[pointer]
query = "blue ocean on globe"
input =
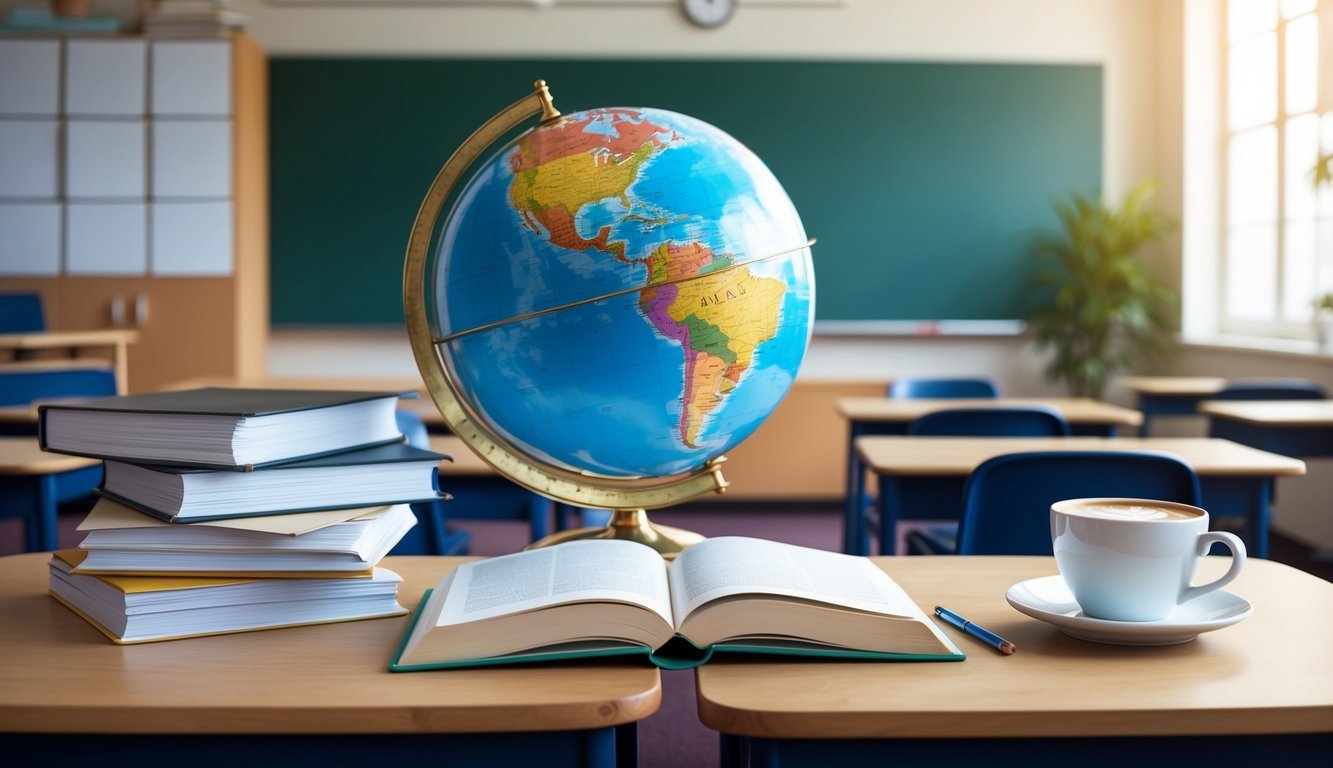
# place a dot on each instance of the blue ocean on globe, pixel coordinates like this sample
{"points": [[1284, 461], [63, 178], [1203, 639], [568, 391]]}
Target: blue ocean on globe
{"points": [[623, 292]]}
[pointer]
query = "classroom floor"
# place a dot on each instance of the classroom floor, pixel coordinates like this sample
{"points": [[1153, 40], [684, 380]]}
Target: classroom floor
{"points": [[674, 736]]}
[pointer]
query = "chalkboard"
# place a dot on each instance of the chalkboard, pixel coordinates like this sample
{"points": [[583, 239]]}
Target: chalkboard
{"points": [[923, 182]]}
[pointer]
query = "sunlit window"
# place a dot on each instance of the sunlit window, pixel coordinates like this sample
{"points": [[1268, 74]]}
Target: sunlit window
{"points": [[1278, 231]]}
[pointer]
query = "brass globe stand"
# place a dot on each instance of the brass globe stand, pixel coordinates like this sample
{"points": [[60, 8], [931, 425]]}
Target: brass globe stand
{"points": [[630, 525], [628, 498]]}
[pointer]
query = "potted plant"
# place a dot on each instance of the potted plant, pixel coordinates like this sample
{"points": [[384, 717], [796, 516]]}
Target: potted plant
{"points": [[1322, 317], [1104, 309]]}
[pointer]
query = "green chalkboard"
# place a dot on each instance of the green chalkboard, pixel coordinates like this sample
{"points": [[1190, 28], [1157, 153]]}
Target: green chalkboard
{"points": [[923, 182]]}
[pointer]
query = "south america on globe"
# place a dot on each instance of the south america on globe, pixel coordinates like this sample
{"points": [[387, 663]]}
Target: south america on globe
{"points": [[623, 292]]}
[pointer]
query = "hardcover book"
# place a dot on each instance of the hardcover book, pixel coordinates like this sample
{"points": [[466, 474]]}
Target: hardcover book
{"points": [[121, 540], [141, 609], [596, 598], [395, 473], [219, 428]]}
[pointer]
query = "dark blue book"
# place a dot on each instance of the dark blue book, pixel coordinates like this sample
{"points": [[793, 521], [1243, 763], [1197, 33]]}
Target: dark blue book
{"points": [[396, 473], [220, 428]]}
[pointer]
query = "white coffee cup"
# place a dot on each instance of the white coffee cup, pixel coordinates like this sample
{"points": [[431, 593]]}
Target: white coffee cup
{"points": [[1135, 559]]}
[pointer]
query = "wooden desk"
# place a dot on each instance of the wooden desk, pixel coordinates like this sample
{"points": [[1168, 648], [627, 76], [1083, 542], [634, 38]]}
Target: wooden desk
{"points": [[1292, 427], [882, 416], [117, 339], [1170, 395], [33, 480], [1237, 480], [329, 683], [1235, 696]]}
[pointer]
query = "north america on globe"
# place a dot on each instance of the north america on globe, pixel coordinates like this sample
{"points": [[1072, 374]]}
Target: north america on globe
{"points": [[599, 156]]}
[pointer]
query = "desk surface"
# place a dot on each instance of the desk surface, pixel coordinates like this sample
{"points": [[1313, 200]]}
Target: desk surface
{"points": [[1271, 673], [1076, 410], [1185, 386], [109, 337], [61, 675], [465, 462], [960, 455], [21, 456], [1278, 413]]}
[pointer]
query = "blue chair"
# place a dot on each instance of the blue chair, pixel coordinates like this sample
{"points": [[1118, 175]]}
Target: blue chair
{"points": [[945, 493], [21, 313], [20, 386], [940, 388], [1007, 501], [431, 535], [1016, 421], [1271, 389]]}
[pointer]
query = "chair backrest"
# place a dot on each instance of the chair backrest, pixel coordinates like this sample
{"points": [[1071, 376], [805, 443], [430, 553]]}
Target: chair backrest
{"points": [[1007, 499], [23, 387], [1271, 389], [21, 313], [924, 388], [1017, 421]]}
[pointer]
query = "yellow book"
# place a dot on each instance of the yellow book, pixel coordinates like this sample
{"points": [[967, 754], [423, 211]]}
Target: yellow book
{"points": [[141, 609]]}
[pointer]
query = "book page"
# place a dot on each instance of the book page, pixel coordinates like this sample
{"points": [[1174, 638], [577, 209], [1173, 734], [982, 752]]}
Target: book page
{"points": [[576, 571], [735, 565]]}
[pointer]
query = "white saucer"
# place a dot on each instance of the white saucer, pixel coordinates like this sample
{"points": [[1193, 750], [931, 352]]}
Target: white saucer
{"points": [[1048, 599]]}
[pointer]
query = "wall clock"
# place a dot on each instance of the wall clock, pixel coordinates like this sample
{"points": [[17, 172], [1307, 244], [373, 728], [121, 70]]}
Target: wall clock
{"points": [[708, 13]]}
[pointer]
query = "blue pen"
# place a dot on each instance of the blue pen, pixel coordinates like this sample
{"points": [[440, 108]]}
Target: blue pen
{"points": [[984, 635]]}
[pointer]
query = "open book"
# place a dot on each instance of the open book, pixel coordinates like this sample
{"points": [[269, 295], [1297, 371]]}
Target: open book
{"points": [[604, 598]]}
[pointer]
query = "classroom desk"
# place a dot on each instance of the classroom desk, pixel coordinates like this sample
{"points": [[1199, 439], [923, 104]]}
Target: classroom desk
{"points": [[117, 339], [1292, 427], [1236, 480], [1170, 395], [1249, 694], [882, 416], [318, 695], [31, 478]]}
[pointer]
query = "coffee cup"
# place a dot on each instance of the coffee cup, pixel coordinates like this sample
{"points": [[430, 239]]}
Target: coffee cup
{"points": [[1135, 559]]}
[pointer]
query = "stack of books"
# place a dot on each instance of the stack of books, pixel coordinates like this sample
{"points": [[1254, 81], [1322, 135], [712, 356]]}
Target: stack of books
{"points": [[229, 510], [192, 18]]}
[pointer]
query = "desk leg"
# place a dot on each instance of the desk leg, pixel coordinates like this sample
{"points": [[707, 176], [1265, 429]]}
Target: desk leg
{"points": [[539, 516], [121, 361], [1250, 498], [627, 745], [43, 532], [890, 511], [853, 517]]}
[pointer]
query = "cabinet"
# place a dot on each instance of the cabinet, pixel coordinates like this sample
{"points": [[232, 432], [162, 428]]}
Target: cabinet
{"points": [[134, 194]]}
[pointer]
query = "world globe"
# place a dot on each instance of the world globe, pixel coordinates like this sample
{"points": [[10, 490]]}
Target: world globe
{"points": [[617, 294]]}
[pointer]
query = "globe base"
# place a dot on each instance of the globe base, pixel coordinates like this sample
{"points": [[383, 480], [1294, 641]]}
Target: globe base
{"points": [[630, 525]]}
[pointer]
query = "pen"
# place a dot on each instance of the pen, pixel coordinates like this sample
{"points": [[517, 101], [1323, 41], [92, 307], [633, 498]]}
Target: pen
{"points": [[984, 635]]}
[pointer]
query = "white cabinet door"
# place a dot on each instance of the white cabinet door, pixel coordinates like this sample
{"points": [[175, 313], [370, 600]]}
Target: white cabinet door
{"points": [[105, 159], [30, 77], [28, 159], [191, 78], [191, 158], [106, 77], [29, 239], [106, 239], [192, 239]]}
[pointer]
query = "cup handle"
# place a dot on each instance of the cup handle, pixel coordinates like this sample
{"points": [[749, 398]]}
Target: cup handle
{"points": [[1237, 547]]}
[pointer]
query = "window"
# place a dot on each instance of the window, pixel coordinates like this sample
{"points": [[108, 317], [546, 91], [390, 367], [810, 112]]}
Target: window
{"points": [[1277, 229]]}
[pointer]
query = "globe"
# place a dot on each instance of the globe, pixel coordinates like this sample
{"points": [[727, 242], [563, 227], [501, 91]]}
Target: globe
{"points": [[616, 295]]}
